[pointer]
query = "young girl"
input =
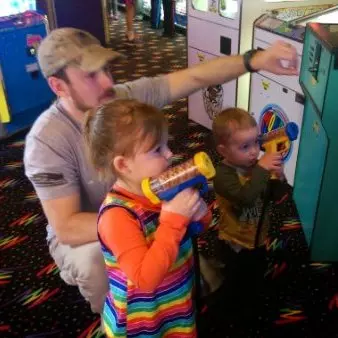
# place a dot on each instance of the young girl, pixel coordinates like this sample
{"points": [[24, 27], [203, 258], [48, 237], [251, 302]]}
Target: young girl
{"points": [[147, 253]]}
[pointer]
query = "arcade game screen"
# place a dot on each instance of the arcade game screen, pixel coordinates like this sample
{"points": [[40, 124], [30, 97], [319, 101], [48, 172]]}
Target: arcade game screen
{"points": [[10, 7], [227, 8]]}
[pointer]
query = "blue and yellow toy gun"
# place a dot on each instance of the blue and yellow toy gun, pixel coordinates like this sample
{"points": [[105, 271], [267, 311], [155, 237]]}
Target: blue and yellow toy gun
{"points": [[279, 140], [193, 173]]}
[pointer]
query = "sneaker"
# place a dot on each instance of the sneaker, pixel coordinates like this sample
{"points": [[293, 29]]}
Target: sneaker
{"points": [[114, 16], [132, 36], [139, 17]]}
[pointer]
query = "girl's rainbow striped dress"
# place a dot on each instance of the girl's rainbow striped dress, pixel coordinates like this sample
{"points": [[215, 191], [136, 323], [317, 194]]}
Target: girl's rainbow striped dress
{"points": [[168, 311]]}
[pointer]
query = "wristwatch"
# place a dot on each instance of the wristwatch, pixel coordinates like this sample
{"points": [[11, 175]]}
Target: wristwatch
{"points": [[247, 59]]}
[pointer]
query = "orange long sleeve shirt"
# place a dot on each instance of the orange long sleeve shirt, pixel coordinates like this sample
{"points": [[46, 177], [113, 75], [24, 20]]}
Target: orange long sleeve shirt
{"points": [[146, 266]]}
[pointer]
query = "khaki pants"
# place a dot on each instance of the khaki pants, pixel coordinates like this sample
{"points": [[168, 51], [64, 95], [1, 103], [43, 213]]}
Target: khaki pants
{"points": [[211, 272], [84, 267]]}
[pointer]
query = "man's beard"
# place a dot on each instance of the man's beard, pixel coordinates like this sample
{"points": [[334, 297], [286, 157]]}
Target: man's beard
{"points": [[83, 107]]}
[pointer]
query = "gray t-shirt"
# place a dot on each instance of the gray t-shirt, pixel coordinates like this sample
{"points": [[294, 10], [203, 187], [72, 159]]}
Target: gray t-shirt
{"points": [[55, 159]]}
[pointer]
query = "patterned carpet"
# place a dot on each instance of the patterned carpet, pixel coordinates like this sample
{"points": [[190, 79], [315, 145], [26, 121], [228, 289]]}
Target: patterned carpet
{"points": [[297, 298]]}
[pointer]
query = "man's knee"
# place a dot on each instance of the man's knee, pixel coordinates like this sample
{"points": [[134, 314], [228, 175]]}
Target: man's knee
{"points": [[88, 261], [93, 285], [91, 276], [84, 266]]}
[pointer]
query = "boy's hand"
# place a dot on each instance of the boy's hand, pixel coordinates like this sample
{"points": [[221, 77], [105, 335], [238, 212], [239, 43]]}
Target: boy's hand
{"points": [[185, 203], [280, 173], [271, 161], [201, 212]]}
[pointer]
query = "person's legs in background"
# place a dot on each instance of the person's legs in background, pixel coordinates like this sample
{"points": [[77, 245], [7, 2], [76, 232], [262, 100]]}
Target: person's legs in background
{"points": [[114, 12], [130, 13], [139, 10], [155, 14], [112, 9], [168, 19], [169, 9]]}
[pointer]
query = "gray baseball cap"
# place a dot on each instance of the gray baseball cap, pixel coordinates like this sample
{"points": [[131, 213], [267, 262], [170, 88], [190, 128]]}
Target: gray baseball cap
{"points": [[71, 46]]}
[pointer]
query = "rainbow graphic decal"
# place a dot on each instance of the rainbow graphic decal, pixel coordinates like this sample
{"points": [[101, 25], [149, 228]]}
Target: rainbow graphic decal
{"points": [[194, 144], [27, 219], [273, 117], [177, 158], [274, 270], [5, 277], [11, 241], [17, 144], [273, 245], [8, 183], [32, 298], [289, 316], [93, 331], [198, 134], [5, 328], [333, 304], [14, 165], [291, 224], [51, 268], [31, 197]]}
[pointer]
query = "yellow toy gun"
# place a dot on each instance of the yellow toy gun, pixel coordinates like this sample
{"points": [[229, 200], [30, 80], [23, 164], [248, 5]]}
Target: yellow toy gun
{"points": [[279, 140], [192, 173]]}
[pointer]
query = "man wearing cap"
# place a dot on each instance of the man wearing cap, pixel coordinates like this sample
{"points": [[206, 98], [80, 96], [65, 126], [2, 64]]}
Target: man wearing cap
{"points": [[75, 66]]}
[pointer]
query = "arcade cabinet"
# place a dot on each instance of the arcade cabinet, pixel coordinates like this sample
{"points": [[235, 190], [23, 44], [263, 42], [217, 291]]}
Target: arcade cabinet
{"points": [[316, 179], [216, 28], [277, 100], [89, 15], [251, 11], [24, 93], [213, 30]]}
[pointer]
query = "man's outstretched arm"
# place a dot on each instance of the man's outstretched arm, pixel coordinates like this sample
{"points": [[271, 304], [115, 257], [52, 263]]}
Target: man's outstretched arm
{"points": [[227, 68]]}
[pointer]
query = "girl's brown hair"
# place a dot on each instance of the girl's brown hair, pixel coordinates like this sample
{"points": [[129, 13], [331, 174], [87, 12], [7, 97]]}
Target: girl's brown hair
{"points": [[229, 120], [118, 128]]}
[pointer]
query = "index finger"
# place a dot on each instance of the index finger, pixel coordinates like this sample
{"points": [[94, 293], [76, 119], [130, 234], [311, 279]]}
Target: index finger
{"points": [[287, 71], [280, 153], [189, 193]]}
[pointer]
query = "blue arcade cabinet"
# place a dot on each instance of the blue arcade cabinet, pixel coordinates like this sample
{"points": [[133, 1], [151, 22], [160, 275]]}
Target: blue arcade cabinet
{"points": [[316, 178], [24, 93]]}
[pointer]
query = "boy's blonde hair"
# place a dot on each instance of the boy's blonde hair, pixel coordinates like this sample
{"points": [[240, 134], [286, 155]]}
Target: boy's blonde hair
{"points": [[120, 127], [228, 121]]}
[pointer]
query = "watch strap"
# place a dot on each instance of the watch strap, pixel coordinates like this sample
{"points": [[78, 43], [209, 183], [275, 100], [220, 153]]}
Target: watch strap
{"points": [[247, 56]]}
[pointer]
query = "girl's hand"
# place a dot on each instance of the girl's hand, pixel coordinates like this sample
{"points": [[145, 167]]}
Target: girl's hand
{"points": [[201, 212], [185, 203]]}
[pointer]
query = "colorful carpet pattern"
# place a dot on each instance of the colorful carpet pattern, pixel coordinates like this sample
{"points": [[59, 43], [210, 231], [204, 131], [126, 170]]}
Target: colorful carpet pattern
{"points": [[298, 298]]}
